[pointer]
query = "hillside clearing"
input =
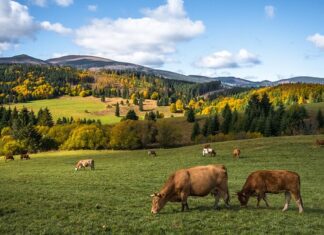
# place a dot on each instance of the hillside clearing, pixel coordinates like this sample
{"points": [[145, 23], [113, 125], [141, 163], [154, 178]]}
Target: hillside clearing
{"points": [[44, 195], [91, 108]]}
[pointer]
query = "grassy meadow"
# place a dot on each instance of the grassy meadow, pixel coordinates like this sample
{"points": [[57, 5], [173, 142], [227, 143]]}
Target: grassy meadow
{"points": [[45, 195], [91, 108]]}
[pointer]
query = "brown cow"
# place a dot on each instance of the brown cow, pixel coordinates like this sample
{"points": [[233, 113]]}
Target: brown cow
{"points": [[8, 156], [236, 153], [24, 156], [195, 181], [85, 163], [320, 142], [151, 152], [261, 182]]}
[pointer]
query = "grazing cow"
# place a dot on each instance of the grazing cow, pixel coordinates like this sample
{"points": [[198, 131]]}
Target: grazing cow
{"points": [[209, 151], [206, 146], [320, 142], [85, 163], [24, 156], [236, 153], [261, 182], [195, 181], [9, 156], [151, 152]]}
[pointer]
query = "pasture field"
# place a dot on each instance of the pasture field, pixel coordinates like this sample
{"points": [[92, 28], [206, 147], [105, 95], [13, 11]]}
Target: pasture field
{"points": [[45, 196], [91, 108]]}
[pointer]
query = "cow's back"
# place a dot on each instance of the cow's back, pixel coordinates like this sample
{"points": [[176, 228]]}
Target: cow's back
{"points": [[274, 180], [205, 178]]}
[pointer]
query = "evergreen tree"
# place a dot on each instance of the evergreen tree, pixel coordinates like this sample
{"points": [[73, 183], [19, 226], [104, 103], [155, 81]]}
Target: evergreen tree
{"points": [[320, 119], [103, 98], [131, 115], [235, 124], [204, 129], [140, 104], [44, 118], [265, 104], [190, 115], [227, 119], [195, 131], [117, 112]]}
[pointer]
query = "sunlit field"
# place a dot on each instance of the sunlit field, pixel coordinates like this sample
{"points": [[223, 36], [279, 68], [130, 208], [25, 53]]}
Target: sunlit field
{"points": [[46, 196]]}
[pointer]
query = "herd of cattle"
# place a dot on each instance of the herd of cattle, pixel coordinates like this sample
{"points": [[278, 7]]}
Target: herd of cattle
{"points": [[212, 179]]}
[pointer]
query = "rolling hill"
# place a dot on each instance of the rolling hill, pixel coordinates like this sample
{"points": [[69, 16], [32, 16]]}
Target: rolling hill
{"points": [[97, 63]]}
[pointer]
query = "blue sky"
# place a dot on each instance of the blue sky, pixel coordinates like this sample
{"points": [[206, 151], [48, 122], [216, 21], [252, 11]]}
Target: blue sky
{"points": [[256, 40]]}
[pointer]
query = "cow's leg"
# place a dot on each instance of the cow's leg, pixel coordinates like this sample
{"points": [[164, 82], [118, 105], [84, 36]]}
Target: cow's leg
{"points": [[184, 203], [299, 201], [217, 196], [287, 197], [259, 199], [265, 200]]}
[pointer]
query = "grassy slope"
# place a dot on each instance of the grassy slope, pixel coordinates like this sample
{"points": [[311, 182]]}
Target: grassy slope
{"points": [[45, 195], [67, 106]]}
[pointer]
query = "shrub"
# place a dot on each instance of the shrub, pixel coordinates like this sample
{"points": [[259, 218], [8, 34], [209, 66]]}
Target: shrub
{"points": [[86, 137], [124, 135], [168, 135]]}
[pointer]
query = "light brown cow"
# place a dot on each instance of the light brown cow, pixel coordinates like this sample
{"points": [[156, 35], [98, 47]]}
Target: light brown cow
{"points": [[276, 181], [151, 152], [8, 156], [195, 181], [85, 163], [320, 142], [24, 156], [236, 153]]}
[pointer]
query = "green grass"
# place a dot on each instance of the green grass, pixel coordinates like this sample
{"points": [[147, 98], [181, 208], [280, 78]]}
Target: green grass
{"points": [[67, 106], [45, 196]]}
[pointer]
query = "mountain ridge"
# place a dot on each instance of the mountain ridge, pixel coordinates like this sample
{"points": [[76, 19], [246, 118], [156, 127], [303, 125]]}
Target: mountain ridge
{"points": [[97, 63]]}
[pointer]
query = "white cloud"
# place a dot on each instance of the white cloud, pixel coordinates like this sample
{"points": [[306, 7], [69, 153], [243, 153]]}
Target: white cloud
{"points": [[40, 3], [148, 40], [64, 3], [317, 39], [225, 59], [92, 8], [269, 11], [56, 27], [15, 23]]}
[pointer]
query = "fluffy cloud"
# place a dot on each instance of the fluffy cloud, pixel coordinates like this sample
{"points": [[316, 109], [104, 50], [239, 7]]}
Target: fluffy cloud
{"points": [[148, 40], [64, 3], [269, 11], [56, 27], [15, 23], [317, 39], [92, 8], [226, 59]]}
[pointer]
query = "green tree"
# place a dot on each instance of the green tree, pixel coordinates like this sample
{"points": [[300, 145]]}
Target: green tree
{"points": [[320, 119], [131, 115], [204, 129], [117, 111], [140, 104], [195, 131], [190, 115], [227, 119], [168, 135]]}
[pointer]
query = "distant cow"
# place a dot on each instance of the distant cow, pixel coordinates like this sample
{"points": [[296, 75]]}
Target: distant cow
{"points": [[320, 142], [196, 181], [151, 152], [261, 182], [236, 153], [24, 156], [85, 163], [206, 146], [8, 156], [209, 151]]}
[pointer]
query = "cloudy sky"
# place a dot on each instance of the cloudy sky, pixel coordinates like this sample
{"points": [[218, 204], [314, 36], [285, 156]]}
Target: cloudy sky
{"points": [[256, 40]]}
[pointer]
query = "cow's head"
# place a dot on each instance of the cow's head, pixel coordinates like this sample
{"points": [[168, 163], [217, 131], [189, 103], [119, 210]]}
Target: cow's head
{"points": [[158, 202], [243, 198]]}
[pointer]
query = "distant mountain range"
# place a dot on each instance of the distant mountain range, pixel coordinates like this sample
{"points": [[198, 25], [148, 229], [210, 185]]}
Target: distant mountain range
{"points": [[97, 63]]}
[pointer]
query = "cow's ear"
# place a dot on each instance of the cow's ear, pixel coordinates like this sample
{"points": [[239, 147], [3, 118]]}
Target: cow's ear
{"points": [[161, 195]]}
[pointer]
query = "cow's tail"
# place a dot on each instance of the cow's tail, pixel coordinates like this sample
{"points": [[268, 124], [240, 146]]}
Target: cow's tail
{"points": [[299, 194], [227, 200]]}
